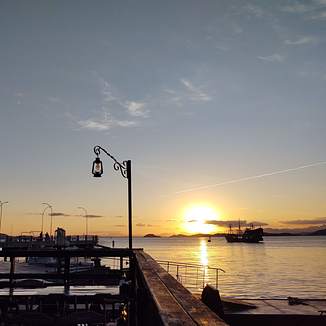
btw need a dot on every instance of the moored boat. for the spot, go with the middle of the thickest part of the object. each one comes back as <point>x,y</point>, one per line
<point>250,235</point>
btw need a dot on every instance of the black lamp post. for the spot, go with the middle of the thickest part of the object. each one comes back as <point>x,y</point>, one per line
<point>125,170</point>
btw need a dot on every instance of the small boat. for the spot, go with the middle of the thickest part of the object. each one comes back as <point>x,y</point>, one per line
<point>250,235</point>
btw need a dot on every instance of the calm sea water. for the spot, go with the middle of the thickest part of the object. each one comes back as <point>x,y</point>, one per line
<point>278,268</point>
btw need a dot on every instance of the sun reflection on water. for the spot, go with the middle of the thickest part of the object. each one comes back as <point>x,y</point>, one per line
<point>203,252</point>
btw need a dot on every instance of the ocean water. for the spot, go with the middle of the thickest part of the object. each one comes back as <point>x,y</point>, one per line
<point>278,268</point>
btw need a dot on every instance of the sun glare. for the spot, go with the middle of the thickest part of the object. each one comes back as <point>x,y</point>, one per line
<point>196,217</point>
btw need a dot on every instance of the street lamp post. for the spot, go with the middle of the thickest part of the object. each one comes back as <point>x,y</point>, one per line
<point>125,170</point>
<point>42,224</point>
<point>1,204</point>
<point>51,212</point>
<point>86,217</point>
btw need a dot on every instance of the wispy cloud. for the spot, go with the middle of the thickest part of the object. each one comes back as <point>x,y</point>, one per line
<point>253,177</point>
<point>297,8</point>
<point>94,125</point>
<point>316,221</point>
<point>254,10</point>
<point>302,40</point>
<point>137,109</point>
<point>273,58</point>
<point>58,214</point>
<point>312,10</point>
<point>106,123</point>
<point>227,223</point>
<point>116,110</point>
<point>195,93</point>
<point>318,16</point>
<point>140,224</point>
<point>93,216</point>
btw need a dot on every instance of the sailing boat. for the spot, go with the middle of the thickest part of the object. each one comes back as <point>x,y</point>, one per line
<point>250,235</point>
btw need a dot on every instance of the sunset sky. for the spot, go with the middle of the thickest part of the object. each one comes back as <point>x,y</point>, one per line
<point>220,105</point>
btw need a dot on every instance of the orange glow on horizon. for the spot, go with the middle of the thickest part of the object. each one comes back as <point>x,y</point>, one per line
<point>196,216</point>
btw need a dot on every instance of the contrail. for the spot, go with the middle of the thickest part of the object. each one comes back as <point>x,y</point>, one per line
<point>252,177</point>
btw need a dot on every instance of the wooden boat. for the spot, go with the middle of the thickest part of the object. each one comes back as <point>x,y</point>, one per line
<point>250,235</point>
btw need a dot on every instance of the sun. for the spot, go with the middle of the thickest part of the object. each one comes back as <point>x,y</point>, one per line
<point>196,217</point>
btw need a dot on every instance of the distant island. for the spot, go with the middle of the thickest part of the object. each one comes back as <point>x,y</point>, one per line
<point>151,235</point>
<point>274,234</point>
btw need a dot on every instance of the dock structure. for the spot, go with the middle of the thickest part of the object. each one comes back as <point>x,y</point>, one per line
<point>145,293</point>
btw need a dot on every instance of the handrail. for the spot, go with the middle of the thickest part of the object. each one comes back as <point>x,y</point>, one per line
<point>175,263</point>
<point>192,275</point>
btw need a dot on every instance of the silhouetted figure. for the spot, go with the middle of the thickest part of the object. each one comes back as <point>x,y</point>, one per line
<point>47,237</point>
<point>112,243</point>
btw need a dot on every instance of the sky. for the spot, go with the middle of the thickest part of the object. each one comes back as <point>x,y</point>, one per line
<point>220,106</point>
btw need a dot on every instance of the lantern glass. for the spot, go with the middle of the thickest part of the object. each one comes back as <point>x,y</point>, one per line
<point>97,169</point>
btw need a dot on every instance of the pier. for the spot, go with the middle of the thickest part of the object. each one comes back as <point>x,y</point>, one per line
<point>143,292</point>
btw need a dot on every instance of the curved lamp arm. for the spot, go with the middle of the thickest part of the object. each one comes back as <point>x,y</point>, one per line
<point>116,165</point>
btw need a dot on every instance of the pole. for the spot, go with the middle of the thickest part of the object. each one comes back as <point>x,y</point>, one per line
<point>51,221</point>
<point>0,216</point>
<point>1,204</point>
<point>129,204</point>
<point>86,225</point>
<point>86,220</point>
<point>42,228</point>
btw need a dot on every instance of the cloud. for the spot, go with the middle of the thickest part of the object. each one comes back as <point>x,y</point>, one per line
<point>273,58</point>
<point>93,216</point>
<point>94,125</point>
<point>119,225</point>
<point>254,10</point>
<point>318,16</point>
<point>316,221</point>
<point>116,111</point>
<point>171,220</point>
<point>126,123</point>
<point>195,93</point>
<point>140,224</point>
<point>302,40</point>
<point>137,109</point>
<point>227,223</point>
<point>58,214</point>
<point>297,8</point>
<point>313,10</point>
<point>257,223</point>
<point>105,124</point>
<point>119,216</point>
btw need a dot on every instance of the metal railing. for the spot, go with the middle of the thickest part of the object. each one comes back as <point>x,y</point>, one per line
<point>192,276</point>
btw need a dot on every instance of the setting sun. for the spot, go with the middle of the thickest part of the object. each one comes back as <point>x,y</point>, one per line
<point>195,218</point>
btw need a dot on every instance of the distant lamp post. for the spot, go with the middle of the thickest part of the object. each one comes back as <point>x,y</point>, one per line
<point>125,170</point>
<point>42,222</point>
<point>1,204</point>
<point>86,217</point>
<point>51,213</point>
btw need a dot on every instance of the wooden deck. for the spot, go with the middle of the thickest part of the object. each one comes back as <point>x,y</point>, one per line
<point>174,303</point>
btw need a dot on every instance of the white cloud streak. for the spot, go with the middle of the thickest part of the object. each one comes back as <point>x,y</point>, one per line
<point>273,58</point>
<point>302,40</point>
<point>253,177</point>
<point>116,111</point>
<point>195,93</point>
